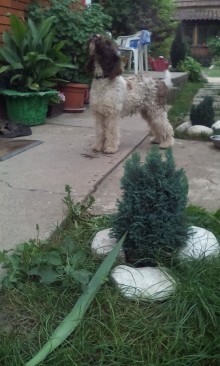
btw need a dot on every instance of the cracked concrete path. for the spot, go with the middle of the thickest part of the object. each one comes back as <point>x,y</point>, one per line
<point>199,159</point>
<point>32,184</point>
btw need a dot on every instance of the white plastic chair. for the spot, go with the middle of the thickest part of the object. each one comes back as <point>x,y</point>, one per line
<point>130,43</point>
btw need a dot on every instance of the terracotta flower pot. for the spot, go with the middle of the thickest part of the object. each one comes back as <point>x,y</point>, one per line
<point>74,97</point>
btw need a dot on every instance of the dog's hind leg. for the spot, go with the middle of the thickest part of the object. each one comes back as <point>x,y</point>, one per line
<point>112,134</point>
<point>100,132</point>
<point>161,128</point>
<point>147,118</point>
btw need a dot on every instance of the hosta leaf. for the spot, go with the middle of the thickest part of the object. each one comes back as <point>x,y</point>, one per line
<point>48,40</point>
<point>58,46</point>
<point>8,40</point>
<point>44,27</point>
<point>68,66</point>
<point>4,68</point>
<point>34,34</point>
<point>48,84</point>
<point>15,77</point>
<point>17,66</point>
<point>8,56</point>
<point>18,29</point>
<point>34,86</point>
<point>35,57</point>
<point>49,71</point>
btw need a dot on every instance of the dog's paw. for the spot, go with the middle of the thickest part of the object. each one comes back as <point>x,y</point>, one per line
<point>110,149</point>
<point>153,140</point>
<point>166,145</point>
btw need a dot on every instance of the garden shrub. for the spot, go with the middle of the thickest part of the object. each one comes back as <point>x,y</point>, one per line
<point>74,24</point>
<point>204,61</point>
<point>203,113</point>
<point>152,208</point>
<point>214,47</point>
<point>216,62</point>
<point>178,50</point>
<point>192,67</point>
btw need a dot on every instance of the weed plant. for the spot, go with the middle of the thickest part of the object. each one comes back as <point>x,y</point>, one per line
<point>182,331</point>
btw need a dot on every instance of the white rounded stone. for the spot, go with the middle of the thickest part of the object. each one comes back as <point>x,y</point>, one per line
<point>216,128</point>
<point>146,283</point>
<point>102,244</point>
<point>184,126</point>
<point>197,129</point>
<point>201,243</point>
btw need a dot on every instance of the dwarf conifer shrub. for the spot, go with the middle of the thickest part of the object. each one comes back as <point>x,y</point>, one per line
<point>203,113</point>
<point>152,208</point>
<point>178,50</point>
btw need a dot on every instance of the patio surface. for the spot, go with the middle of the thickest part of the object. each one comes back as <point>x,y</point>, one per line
<point>32,184</point>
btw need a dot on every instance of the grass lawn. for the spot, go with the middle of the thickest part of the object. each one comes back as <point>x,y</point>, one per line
<point>183,103</point>
<point>183,331</point>
<point>212,73</point>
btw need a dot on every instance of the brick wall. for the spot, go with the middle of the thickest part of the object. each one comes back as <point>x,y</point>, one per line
<point>16,7</point>
<point>11,6</point>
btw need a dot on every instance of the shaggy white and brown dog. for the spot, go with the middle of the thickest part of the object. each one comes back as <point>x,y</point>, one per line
<point>113,96</point>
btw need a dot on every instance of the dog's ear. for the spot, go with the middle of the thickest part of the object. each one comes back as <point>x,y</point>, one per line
<point>90,65</point>
<point>116,69</point>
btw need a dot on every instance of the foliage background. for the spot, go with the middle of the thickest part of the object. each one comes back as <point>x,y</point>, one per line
<point>74,24</point>
<point>128,17</point>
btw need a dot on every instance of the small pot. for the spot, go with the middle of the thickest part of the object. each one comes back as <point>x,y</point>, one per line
<point>216,141</point>
<point>74,97</point>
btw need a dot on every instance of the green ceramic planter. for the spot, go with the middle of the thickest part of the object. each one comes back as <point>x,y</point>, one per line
<point>28,109</point>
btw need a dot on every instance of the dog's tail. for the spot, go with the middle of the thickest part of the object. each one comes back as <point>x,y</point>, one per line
<point>168,80</point>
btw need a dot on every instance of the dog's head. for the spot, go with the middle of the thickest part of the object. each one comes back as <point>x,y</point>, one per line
<point>103,50</point>
<point>99,42</point>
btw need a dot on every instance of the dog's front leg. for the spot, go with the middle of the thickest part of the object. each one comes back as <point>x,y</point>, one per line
<point>100,132</point>
<point>112,135</point>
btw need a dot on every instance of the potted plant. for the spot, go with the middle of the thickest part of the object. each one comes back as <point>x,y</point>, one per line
<point>74,23</point>
<point>33,63</point>
<point>56,105</point>
<point>74,97</point>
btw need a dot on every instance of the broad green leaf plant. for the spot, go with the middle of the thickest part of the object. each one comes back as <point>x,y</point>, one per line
<point>35,260</point>
<point>29,57</point>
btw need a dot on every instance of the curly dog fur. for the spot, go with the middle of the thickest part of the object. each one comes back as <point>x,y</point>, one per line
<point>113,96</point>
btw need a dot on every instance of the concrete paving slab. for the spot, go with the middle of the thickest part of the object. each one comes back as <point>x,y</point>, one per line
<point>32,184</point>
<point>201,162</point>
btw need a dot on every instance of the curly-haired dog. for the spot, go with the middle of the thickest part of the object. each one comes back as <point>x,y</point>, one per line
<point>113,96</point>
